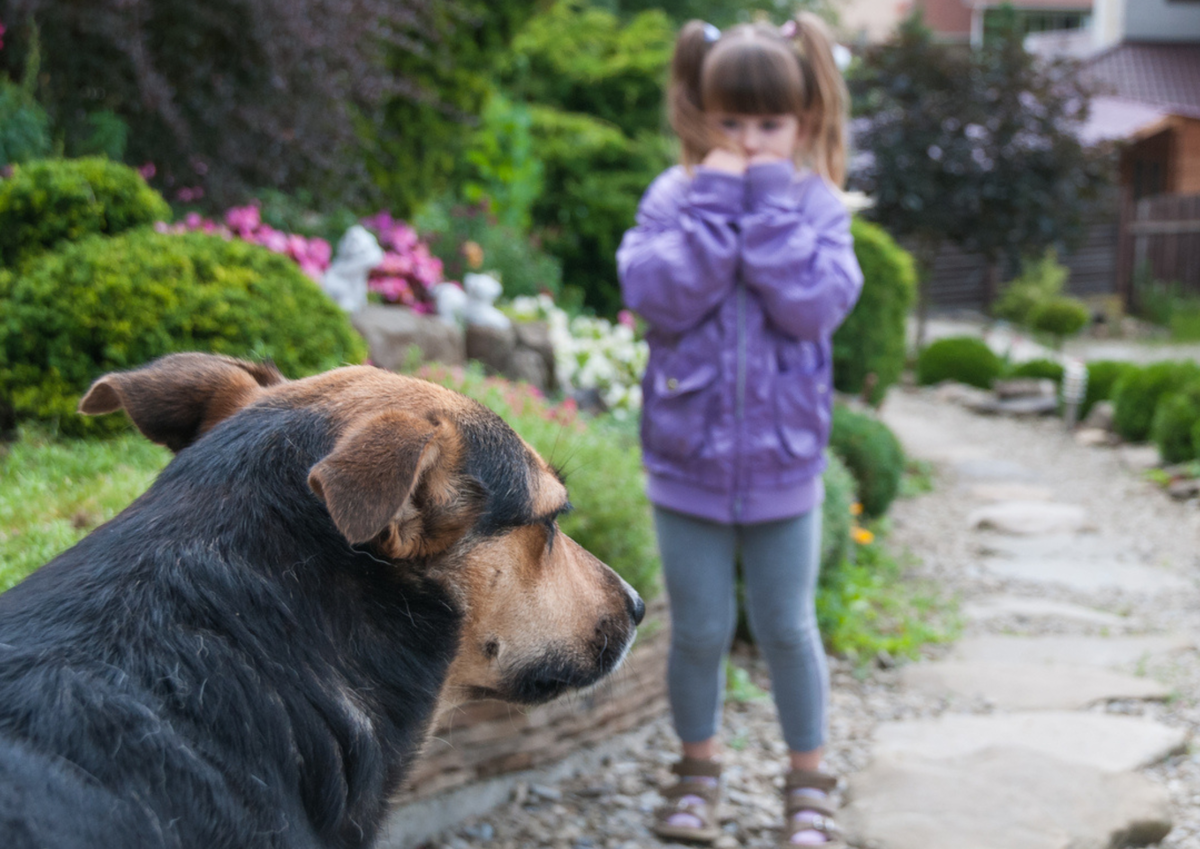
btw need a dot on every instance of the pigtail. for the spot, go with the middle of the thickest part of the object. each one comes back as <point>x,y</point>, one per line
<point>828,99</point>
<point>685,108</point>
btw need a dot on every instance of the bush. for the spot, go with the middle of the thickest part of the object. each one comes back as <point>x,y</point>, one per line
<point>1040,369</point>
<point>49,200</point>
<point>104,304</point>
<point>1060,316</point>
<point>1175,418</point>
<point>962,358</point>
<point>872,341</point>
<point>599,459</point>
<point>1102,377</point>
<point>1138,391</point>
<point>872,454</point>
<point>1039,281</point>
<point>837,516</point>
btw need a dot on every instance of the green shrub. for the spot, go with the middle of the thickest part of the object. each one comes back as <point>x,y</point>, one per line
<point>1040,369</point>
<point>24,126</point>
<point>872,339</point>
<point>1175,418</point>
<point>104,304</point>
<point>1039,281</point>
<point>837,516</point>
<point>599,459</point>
<point>1060,316</point>
<point>1102,377</point>
<point>523,268</point>
<point>872,454</point>
<point>965,359</point>
<point>50,200</point>
<point>1138,391</point>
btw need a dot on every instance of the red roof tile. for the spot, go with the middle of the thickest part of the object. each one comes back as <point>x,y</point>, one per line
<point>1164,75</point>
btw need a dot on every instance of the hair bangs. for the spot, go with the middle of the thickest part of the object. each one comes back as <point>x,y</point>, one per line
<point>752,76</point>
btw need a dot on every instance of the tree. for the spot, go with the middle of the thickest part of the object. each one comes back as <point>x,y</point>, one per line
<point>978,149</point>
<point>228,95</point>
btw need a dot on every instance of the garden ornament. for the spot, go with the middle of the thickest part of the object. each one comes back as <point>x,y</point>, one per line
<point>1074,388</point>
<point>482,290</point>
<point>449,300</point>
<point>346,278</point>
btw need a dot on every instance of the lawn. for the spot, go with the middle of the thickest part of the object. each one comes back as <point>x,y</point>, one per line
<point>55,491</point>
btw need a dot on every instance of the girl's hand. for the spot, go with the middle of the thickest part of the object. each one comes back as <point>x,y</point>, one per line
<point>722,159</point>
<point>763,159</point>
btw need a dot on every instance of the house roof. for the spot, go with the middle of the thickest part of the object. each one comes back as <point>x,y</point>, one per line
<point>1114,118</point>
<point>1165,76</point>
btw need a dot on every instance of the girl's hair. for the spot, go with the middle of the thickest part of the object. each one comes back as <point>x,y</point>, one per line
<point>753,69</point>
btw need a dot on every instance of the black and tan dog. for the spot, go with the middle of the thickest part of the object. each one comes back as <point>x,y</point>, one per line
<point>250,655</point>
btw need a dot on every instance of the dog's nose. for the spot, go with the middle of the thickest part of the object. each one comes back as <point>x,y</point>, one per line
<point>636,607</point>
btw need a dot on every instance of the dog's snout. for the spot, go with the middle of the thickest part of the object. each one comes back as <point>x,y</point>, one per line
<point>636,607</point>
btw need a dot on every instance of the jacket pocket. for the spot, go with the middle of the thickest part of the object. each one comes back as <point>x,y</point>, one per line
<point>802,399</point>
<point>678,412</point>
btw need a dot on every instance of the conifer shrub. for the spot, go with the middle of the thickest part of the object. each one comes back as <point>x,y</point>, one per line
<point>1102,377</point>
<point>873,456</point>
<point>965,359</point>
<point>1175,419</point>
<point>105,304</point>
<point>1060,316</point>
<point>47,201</point>
<point>870,345</point>
<point>1138,392</point>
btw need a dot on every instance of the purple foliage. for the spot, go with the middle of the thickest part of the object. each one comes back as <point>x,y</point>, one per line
<point>224,95</point>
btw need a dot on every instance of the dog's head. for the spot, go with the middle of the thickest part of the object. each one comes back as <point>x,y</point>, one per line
<point>431,482</point>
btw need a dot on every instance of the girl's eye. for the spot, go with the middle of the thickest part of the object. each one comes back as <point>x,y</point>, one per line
<point>770,126</point>
<point>729,124</point>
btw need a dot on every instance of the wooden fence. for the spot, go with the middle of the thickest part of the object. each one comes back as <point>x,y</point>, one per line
<point>1160,237</point>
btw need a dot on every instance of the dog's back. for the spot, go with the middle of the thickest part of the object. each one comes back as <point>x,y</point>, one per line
<point>164,671</point>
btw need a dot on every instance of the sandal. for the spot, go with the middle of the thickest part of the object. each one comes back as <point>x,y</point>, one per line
<point>803,812</point>
<point>694,798</point>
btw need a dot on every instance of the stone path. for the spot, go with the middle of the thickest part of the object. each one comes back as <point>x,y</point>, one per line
<point>1064,717</point>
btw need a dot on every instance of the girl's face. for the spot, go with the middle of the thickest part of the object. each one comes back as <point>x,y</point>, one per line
<point>763,136</point>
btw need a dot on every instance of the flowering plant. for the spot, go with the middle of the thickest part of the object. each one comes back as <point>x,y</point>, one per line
<point>245,223</point>
<point>408,271</point>
<point>591,353</point>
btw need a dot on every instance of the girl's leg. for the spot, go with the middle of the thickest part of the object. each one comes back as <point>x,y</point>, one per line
<point>698,567</point>
<point>780,561</point>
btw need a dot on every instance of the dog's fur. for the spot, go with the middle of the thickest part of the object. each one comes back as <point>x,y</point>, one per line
<point>251,654</point>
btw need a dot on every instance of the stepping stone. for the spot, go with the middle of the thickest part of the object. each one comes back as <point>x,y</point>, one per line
<point>1087,574</point>
<point>926,439</point>
<point>1102,652</point>
<point>1030,518</point>
<point>987,469</point>
<point>994,607</point>
<point>1139,458</point>
<point>1024,686</point>
<point>1000,799</point>
<point>1104,741</point>
<point>1010,492</point>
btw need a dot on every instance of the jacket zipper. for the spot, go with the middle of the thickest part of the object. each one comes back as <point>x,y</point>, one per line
<point>739,398</point>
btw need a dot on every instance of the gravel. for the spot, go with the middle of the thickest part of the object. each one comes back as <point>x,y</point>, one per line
<point>609,807</point>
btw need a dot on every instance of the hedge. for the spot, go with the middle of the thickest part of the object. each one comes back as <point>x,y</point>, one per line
<point>1138,391</point>
<point>872,454</point>
<point>965,359</point>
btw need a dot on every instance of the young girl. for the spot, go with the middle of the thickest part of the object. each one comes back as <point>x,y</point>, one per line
<point>742,265</point>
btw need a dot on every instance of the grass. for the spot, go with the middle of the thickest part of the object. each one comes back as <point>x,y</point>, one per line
<point>56,490</point>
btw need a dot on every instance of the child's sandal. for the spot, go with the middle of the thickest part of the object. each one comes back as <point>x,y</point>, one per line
<point>817,811</point>
<point>695,798</point>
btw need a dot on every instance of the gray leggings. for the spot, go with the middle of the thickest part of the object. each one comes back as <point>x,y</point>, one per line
<point>780,561</point>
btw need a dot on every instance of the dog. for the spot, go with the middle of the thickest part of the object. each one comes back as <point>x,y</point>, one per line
<point>251,654</point>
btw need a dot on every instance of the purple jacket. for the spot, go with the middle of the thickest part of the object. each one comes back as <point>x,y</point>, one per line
<point>742,281</point>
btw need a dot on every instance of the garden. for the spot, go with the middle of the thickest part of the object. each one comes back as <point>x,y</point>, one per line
<point>510,141</point>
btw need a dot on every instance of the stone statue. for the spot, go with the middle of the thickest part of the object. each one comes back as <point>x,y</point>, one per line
<point>346,278</point>
<point>472,304</point>
<point>482,290</point>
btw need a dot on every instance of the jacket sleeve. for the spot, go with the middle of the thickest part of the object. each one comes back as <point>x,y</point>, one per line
<point>680,259</point>
<point>797,253</point>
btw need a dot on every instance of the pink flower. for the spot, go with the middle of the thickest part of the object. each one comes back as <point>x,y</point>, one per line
<point>161,227</point>
<point>243,219</point>
<point>193,220</point>
<point>320,252</point>
<point>273,240</point>
<point>626,318</point>
<point>148,171</point>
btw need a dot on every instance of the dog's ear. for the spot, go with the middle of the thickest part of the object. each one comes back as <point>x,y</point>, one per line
<point>368,479</point>
<point>177,398</point>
